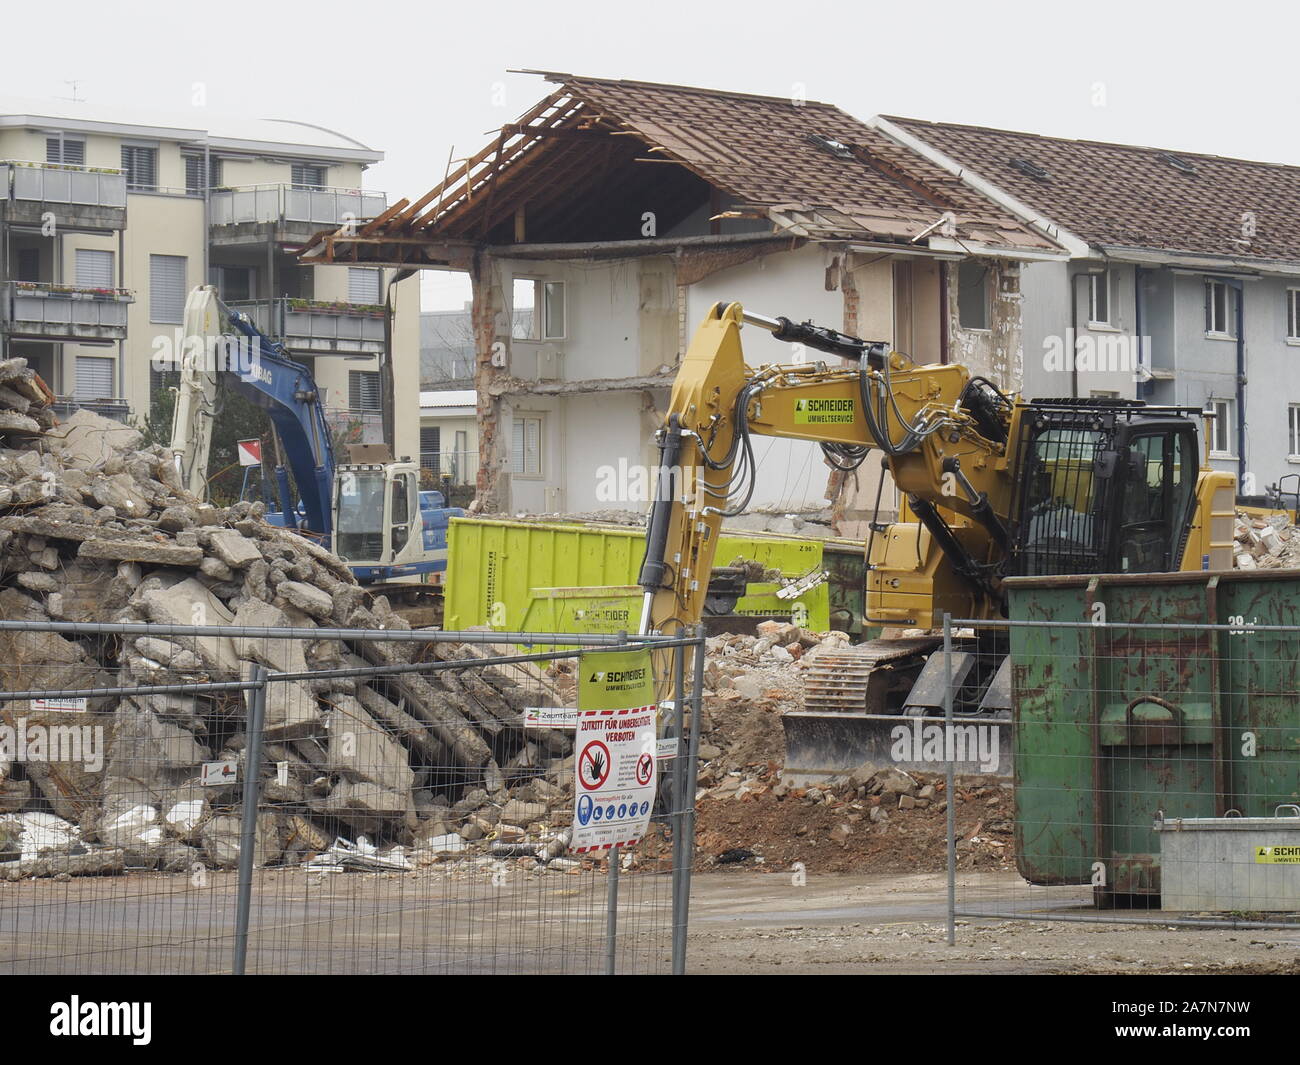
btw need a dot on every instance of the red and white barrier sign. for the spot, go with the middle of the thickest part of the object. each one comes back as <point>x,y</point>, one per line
<point>250,452</point>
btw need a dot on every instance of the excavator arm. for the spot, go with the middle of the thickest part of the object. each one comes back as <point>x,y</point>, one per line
<point>943,435</point>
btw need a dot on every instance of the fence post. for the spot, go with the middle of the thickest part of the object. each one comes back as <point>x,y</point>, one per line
<point>692,781</point>
<point>950,781</point>
<point>248,825</point>
<point>611,912</point>
<point>678,819</point>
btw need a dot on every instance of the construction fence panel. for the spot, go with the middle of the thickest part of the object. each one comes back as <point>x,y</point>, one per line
<point>342,801</point>
<point>1153,776</point>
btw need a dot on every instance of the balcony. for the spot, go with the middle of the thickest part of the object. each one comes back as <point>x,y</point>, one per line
<point>78,197</point>
<point>254,214</point>
<point>317,327</point>
<point>41,310</point>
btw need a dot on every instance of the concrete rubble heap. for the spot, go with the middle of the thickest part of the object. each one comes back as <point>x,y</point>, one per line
<point>358,772</point>
<point>1265,543</point>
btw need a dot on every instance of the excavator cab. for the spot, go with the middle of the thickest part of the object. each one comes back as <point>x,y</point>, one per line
<point>1103,487</point>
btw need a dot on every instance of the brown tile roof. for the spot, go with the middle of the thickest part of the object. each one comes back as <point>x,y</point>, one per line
<point>579,157</point>
<point>1131,196</point>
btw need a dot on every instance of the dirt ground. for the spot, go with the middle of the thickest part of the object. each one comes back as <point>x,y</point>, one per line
<point>837,836</point>
<point>890,924</point>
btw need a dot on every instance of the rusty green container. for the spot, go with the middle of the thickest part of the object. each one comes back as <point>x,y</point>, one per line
<point>1114,726</point>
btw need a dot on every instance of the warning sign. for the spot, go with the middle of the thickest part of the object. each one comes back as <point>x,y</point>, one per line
<point>250,452</point>
<point>823,412</point>
<point>617,753</point>
<point>1277,855</point>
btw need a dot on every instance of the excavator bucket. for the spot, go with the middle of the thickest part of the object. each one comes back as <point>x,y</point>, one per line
<point>869,704</point>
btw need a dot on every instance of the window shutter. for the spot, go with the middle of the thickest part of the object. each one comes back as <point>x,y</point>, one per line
<point>517,447</point>
<point>363,390</point>
<point>534,456</point>
<point>94,379</point>
<point>307,176</point>
<point>363,285</point>
<point>141,166</point>
<point>62,150</point>
<point>167,288</point>
<point>430,447</point>
<point>94,268</point>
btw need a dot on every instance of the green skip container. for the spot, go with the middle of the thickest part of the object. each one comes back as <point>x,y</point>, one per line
<point>1118,725</point>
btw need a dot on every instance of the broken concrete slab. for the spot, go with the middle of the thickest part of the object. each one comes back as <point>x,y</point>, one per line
<point>360,749</point>
<point>234,550</point>
<point>151,551</point>
<point>310,600</point>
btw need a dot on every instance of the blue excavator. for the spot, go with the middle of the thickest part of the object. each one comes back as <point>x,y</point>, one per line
<point>369,511</point>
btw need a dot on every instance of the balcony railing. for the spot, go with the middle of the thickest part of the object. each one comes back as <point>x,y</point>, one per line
<point>284,203</point>
<point>117,409</point>
<point>454,467</point>
<point>318,326</point>
<point>354,427</point>
<point>40,309</point>
<point>62,183</point>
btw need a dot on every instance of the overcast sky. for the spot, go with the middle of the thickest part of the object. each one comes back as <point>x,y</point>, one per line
<point>420,81</point>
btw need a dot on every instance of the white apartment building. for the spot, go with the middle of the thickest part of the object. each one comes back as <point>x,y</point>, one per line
<point>107,220</point>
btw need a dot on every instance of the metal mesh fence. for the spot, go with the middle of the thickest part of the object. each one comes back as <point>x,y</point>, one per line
<point>322,801</point>
<point>1154,774</point>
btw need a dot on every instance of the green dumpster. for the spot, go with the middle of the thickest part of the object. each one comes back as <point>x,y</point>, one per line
<point>565,577</point>
<point>1120,723</point>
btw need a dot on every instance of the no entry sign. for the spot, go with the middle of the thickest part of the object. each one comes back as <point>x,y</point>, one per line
<point>616,752</point>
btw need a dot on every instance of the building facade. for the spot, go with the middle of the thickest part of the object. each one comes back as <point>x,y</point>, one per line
<point>107,221</point>
<point>598,230</point>
<point>1182,285</point>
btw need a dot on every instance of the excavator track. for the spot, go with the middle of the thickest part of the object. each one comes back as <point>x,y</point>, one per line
<point>851,701</point>
<point>853,679</point>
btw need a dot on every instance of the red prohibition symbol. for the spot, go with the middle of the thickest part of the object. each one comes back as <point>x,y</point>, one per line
<point>644,767</point>
<point>593,765</point>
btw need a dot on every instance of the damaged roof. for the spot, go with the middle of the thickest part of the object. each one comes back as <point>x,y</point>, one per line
<point>594,157</point>
<point>1122,196</point>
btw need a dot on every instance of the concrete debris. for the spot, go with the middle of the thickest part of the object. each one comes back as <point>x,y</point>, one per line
<point>95,526</point>
<point>1265,543</point>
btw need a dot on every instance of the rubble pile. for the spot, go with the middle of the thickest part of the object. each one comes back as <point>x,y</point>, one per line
<point>749,681</point>
<point>1265,543</point>
<point>873,819</point>
<point>96,527</point>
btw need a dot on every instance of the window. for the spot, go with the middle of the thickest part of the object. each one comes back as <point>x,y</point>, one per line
<point>29,264</point>
<point>1293,423</point>
<point>363,285</point>
<point>141,166</point>
<point>363,390</point>
<point>1220,309</point>
<point>1099,289</point>
<point>431,447</point>
<point>234,282</point>
<point>553,310</point>
<point>526,446</point>
<point>194,185</point>
<point>167,288</point>
<point>308,176</point>
<point>973,295</point>
<point>94,268</point>
<point>1293,314</point>
<point>538,311</point>
<point>1221,429</point>
<point>59,148</point>
<point>94,379</point>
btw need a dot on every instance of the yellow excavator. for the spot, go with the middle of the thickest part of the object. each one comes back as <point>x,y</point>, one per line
<point>991,487</point>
